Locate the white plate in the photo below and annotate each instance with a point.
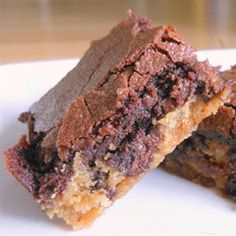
(161, 204)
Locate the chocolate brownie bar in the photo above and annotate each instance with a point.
(208, 157)
(133, 97)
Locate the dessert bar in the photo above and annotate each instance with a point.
(134, 96)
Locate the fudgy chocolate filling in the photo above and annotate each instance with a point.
(126, 141)
(48, 172)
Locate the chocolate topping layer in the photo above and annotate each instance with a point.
(103, 57)
(106, 108)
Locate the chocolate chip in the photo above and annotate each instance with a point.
(231, 185)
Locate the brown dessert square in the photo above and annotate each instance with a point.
(135, 95)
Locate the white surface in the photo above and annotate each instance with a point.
(160, 204)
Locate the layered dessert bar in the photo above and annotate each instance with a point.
(208, 157)
(135, 95)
